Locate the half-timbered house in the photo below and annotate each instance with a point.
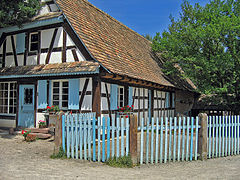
(79, 58)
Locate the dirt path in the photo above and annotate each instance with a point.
(21, 160)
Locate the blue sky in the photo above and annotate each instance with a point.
(144, 17)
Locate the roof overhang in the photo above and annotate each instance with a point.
(50, 70)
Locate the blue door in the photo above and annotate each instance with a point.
(26, 106)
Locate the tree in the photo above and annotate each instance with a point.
(148, 37)
(17, 12)
(205, 42)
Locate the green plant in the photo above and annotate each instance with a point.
(54, 109)
(121, 162)
(25, 133)
(31, 137)
(60, 155)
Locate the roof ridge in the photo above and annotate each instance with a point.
(109, 16)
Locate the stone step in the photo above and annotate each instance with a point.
(38, 130)
(42, 136)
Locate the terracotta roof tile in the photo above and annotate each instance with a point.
(117, 47)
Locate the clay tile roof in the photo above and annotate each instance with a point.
(118, 48)
(73, 68)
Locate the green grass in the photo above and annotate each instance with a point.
(60, 155)
(121, 162)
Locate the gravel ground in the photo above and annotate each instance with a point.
(22, 160)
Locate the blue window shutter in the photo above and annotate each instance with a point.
(50, 93)
(113, 96)
(173, 100)
(130, 96)
(20, 45)
(42, 94)
(167, 100)
(73, 94)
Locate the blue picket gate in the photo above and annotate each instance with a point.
(169, 139)
(86, 137)
(223, 136)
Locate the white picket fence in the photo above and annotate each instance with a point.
(169, 139)
(82, 138)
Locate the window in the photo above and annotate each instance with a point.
(120, 96)
(34, 42)
(8, 100)
(60, 94)
(28, 96)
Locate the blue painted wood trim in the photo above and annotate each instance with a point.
(113, 96)
(94, 138)
(42, 94)
(63, 133)
(20, 43)
(103, 139)
(108, 138)
(130, 96)
(50, 93)
(73, 94)
(34, 24)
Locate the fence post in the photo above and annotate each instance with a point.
(133, 138)
(58, 133)
(202, 136)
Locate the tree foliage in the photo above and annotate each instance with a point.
(17, 12)
(205, 42)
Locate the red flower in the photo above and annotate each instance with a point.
(48, 107)
(71, 112)
(132, 106)
(52, 106)
(121, 108)
(22, 131)
(126, 116)
(118, 107)
(128, 106)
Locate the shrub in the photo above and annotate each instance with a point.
(31, 138)
(122, 162)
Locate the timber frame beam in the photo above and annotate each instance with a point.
(132, 81)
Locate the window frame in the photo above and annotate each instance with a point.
(119, 101)
(14, 97)
(35, 42)
(60, 93)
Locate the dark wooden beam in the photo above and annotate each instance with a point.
(83, 93)
(35, 29)
(4, 53)
(14, 51)
(26, 48)
(51, 46)
(77, 41)
(126, 95)
(134, 94)
(64, 46)
(39, 47)
(75, 55)
(96, 97)
(2, 39)
(108, 101)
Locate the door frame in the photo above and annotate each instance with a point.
(34, 98)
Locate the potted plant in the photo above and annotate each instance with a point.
(125, 111)
(51, 115)
(42, 124)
